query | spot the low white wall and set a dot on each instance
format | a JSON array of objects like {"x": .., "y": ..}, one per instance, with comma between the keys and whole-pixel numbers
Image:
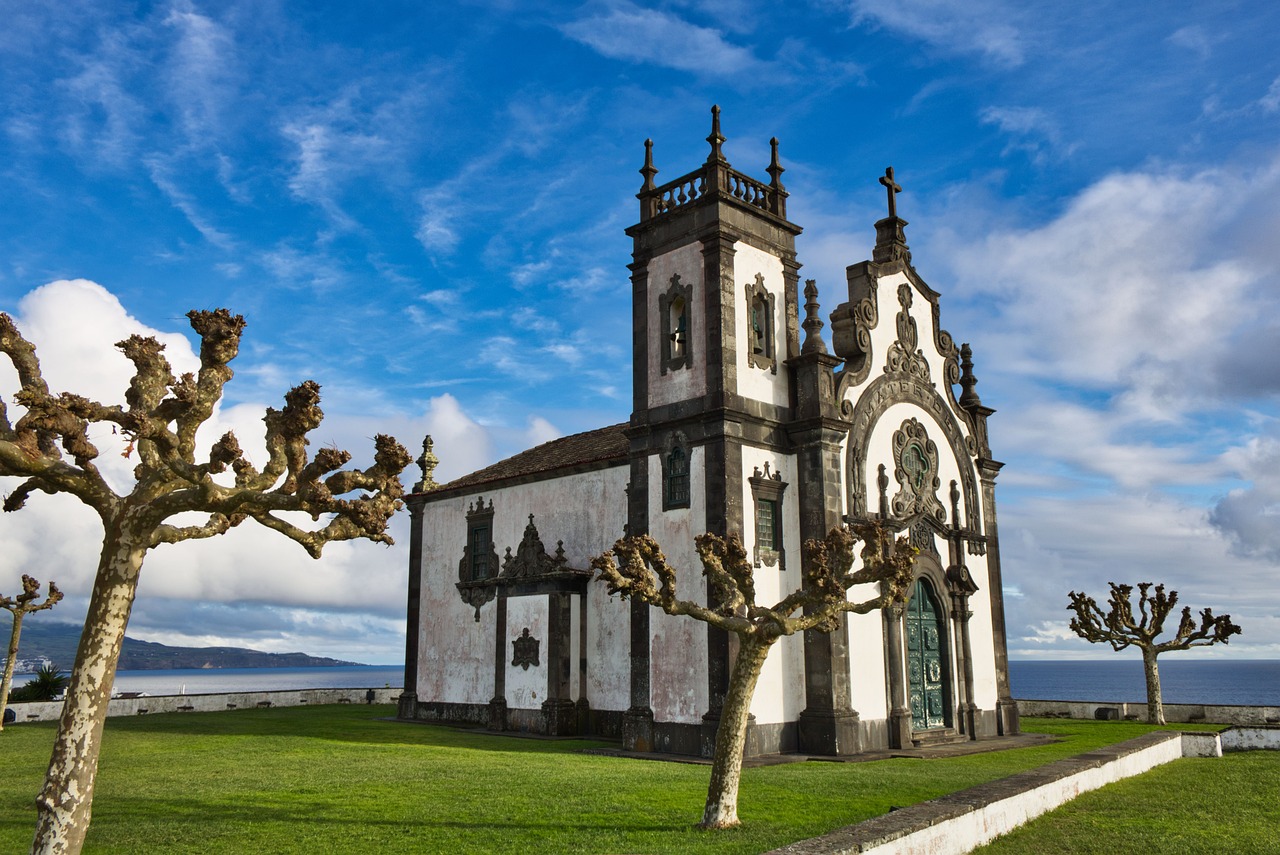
[
  {"x": 1251, "y": 738},
  {"x": 47, "y": 710},
  {"x": 1210, "y": 713},
  {"x": 960, "y": 822}
]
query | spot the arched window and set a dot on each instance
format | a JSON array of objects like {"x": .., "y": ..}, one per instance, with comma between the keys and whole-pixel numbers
[
  {"x": 675, "y": 345},
  {"x": 760, "y": 327}
]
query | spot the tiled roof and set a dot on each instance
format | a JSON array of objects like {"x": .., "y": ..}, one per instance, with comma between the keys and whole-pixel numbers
[{"x": 607, "y": 446}]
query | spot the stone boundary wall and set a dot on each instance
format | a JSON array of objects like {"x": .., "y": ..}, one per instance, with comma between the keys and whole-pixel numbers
[
  {"x": 49, "y": 710},
  {"x": 1173, "y": 713},
  {"x": 960, "y": 822}
]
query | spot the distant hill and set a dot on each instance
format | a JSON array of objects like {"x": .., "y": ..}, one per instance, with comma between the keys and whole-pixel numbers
[{"x": 57, "y": 642}]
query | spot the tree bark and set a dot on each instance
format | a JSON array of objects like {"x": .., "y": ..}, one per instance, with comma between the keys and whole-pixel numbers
[
  {"x": 63, "y": 806},
  {"x": 731, "y": 736},
  {"x": 7, "y": 682},
  {"x": 1155, "y": 701}
]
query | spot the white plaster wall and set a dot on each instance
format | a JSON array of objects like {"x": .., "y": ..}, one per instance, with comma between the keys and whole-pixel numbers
[
  {"x": 455, "y": 652},
  {"x": 587, "y": 511},
  {"x": 678, "y": 645},
  {"x": 868, "y": 679},
  {"x": 760, "y": 383},
  {"x": 779, "y": 695},
  {"x": 683, "y": 383},
  {"x": 982, "y": 634},
  {"x": 526, "y": 688}
]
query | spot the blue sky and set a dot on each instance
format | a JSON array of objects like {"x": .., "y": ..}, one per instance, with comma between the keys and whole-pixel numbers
[{"x": 422, "y": 208}]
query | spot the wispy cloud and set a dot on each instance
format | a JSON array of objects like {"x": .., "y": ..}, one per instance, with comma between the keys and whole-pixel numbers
[
  {"x": 1031, "y": 130},
  {"x": 201, "y": 67},
  {"x": 653, "y": 37},
  {"x": 989, "y": 28},
  {"x": 161, "y": 173}
]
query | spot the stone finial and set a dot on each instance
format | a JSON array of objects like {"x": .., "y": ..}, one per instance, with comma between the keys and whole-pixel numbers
[
  {"x": 427, "y": 463},
  {"x": 882, "y": 481},
  {"x": 648, "y": 170},
  {"x": 775, "y": 168},
  {"x": 715, "y": 138},
  {"x": 813, "y": 342},
  {"x": 969, "y": 396}
]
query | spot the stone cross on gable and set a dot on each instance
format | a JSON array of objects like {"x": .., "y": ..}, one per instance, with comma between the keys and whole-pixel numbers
[{"x": 893, "y": 188}]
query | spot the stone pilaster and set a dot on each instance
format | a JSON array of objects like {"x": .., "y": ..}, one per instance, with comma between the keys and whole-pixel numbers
[{"x": 407, "y": 707}]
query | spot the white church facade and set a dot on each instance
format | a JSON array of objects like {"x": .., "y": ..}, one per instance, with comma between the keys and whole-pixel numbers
[{"x": 743, "y": 422}]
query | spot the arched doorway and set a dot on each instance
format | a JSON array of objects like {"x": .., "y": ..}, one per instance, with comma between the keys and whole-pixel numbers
[{"x": 929, "y": 678}]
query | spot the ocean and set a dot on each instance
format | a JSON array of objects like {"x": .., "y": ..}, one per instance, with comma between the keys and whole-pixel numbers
[
  {"x": 1184, "y": 681},
  {"x": 1247, "y": 682},
  {"x": 204, "y": 681}
]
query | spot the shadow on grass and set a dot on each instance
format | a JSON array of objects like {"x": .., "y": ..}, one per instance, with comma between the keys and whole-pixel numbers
[{"x": 365, "y": 725}]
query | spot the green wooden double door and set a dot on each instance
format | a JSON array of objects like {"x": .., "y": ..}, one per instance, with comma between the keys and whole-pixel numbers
[{"x": 929, "y": 690}]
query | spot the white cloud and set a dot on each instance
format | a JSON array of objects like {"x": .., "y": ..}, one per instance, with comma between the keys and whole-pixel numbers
[
  {"x": 627, "y": 32},
  {"x": 1250, "y": 516},
  {"x": 1125, "y": 290},
  {"x": 74, "y": 325},
  {"x": 1051, "y": 546}
]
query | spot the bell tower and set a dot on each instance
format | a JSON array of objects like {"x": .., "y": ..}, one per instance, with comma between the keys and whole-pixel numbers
[{"x": 715, "y": 319}]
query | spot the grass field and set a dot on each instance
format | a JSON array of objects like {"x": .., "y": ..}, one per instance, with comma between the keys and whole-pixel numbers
[{"x": 338, "y": 779}]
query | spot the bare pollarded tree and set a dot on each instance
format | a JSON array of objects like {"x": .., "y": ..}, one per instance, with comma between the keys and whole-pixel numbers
[
  {"x": 1119, "y": 628},
  {"x": 49, "y": 447},
  {"x": 21, "y": 605},
  {"x": 637, "y": 569}
]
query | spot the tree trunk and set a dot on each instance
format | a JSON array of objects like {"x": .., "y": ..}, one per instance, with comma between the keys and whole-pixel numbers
[
  {"x": 1155, "y": 702},
  {"x": 63, "y": 806},
  {"x": 731, "y": 735},
  {"x": 7, "y": 682}
]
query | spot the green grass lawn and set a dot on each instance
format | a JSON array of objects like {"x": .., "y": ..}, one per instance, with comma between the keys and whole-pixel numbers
[
  {"x": 1187, "y": 807},
  {"x": 336, "y": 779}
]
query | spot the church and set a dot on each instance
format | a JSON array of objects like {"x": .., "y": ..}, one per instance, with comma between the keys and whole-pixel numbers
[{"x": 744, "y": 421}]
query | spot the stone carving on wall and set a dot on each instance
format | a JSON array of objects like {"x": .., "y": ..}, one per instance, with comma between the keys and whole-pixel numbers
[
  {"x": 915, "y": 459},
  {"x": 881, "y": 394},
  {"x": 531, "y": 558},
  {"x": 905, "y": 355},
  {"x": 851, "y": 326},
  {"x": 526, "y": 650},
  {"x": 479, "y": 563}
]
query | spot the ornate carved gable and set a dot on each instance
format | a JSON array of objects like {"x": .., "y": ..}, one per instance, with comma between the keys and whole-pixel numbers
[{"x": 531, "y": 558}]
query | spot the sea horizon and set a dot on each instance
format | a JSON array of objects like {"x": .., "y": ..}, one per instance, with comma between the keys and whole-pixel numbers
[
  {"x": 209, "y": 681},
  {"x": 1230, "y": 682},
  {"x": 1235, "y": 682}
]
